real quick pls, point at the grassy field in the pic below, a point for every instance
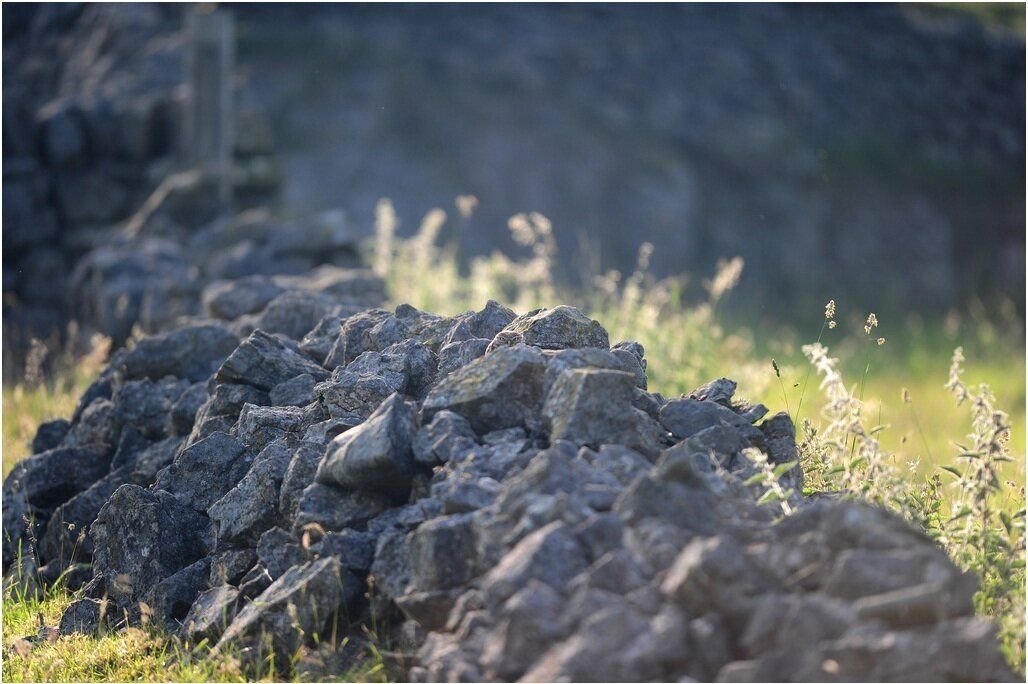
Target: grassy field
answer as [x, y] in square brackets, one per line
[902, 439]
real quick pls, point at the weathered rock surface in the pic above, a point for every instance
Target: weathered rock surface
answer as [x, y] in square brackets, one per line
[532, 514]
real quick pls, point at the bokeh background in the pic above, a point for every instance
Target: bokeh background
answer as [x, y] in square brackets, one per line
[874, 154]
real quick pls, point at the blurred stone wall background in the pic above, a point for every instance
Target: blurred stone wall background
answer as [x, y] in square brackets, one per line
[875, 153]
[870, 153]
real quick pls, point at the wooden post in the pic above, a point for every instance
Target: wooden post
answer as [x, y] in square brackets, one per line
[208, 126]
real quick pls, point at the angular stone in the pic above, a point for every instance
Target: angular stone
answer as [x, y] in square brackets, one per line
[298, 391]
[264, 361]
[446, 437]
[299, 603]
[66, 537]
[459, 354]
[391, 570]
[51, 478]
[294, 313]
[500, 390]
[230, 299]
[192, 352]
[145, 404]
[715, 574]
[142, 537]
[355, 550]
[530, 624]
[593, 407]
[371, 330]
[333, 509]
[251, 507]
[377, 454]
[596, 651]
[719, 391]
[259, 426]
[49, 435]
[205, 471]
[562, 327]
[278, 551]
[212, 612]
[318, 342]
[99, 425]
[551, 555]
[685, 417]
[168, 602]
[442, 553]
[183, 411]
[302, 468]
[229, 566]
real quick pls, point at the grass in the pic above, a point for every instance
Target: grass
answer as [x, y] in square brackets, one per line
[903, 441]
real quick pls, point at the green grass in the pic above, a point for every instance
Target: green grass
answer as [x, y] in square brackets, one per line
[915, 464]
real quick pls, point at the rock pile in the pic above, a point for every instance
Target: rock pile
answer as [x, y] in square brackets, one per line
[500, 495]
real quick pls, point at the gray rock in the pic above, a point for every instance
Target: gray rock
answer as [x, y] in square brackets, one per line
[719, 391]
[318, 342]
[563, 327]
[229, 566]
[230, 299]
[259, 426]
[251, 507]
[686, 417]
[442, 553]
[294, 313]
[371, 330]
[145, 405]
[99, 425]
[355, 550]
[715, 574]
[500, 390]
[563, 360]
[278, 551]
[256, 580]
[184, 410]
[141, 538]
[407, 368]
[229, 399]
[448, 436]
[83, 616]
[212, 612]
[462, 496]
[204, 472]
[298, 391]
[459, 354]
[49, 435]
[390, 573]
[596, 651]
[377, 454]
[484, 324]
[192, 352]
[325, 431]
[155, 457]
[66, 537]
[333, 509]
[302, 468]
[49, 479]
[593, 407]
[299, 603]
[168, 602]
[550, 555]
[530, 624]
[264, 361]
